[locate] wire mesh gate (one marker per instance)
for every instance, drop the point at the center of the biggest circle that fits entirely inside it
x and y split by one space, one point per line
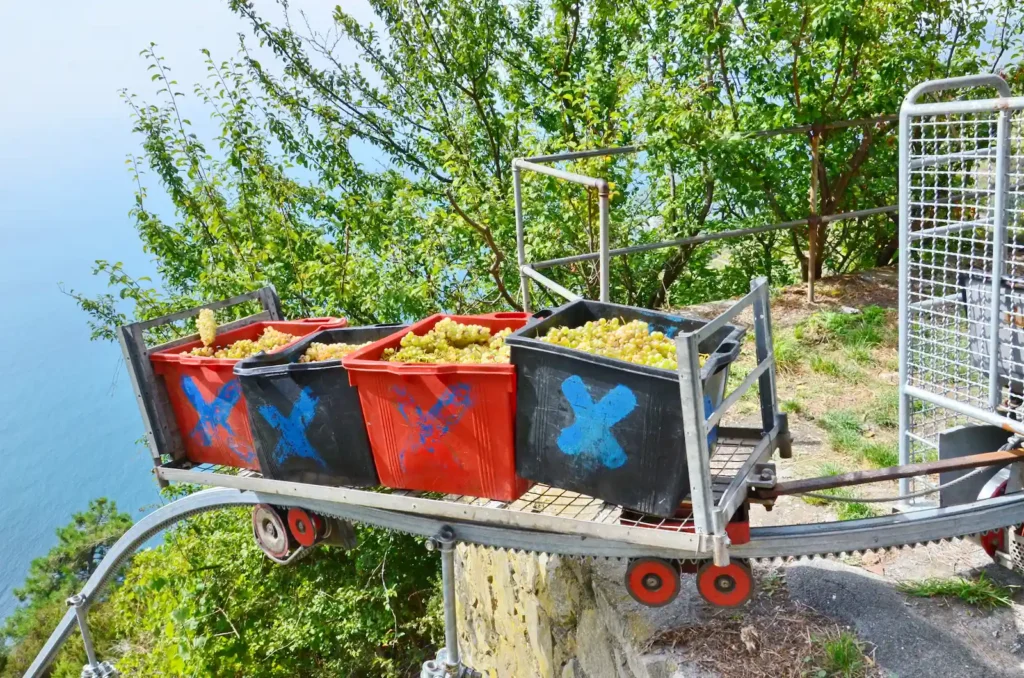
961 265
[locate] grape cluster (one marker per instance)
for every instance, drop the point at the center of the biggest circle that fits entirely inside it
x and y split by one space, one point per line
206 323
452 342
269 341
317 351
631 341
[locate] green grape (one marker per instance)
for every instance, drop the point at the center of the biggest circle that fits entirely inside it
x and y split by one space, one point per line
317 351
613 338
206 323
452 342
268 342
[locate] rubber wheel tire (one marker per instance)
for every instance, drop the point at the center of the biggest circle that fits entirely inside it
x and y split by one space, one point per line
270 531
653 582
994 540
729 586
305 528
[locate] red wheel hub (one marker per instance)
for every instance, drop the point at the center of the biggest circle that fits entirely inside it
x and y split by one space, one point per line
995 540
652 581
306 528
728 586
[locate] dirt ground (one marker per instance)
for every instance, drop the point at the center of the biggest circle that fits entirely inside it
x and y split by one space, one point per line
808 600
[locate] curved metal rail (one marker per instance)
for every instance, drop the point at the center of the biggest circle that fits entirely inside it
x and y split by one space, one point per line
767 542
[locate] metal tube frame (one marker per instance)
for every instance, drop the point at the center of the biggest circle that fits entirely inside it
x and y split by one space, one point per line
162 436
79 604
529 270
998 248
547 282
710 517
910 109
446 541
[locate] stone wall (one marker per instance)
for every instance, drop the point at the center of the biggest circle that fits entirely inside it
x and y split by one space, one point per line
524 615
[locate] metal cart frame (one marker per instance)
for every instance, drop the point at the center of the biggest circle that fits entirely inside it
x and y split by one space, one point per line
162 435
961 172
718 481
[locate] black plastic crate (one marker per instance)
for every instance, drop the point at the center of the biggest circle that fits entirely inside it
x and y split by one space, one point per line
605 427
306 420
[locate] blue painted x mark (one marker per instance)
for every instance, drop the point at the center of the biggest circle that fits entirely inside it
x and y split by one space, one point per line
590 436
293 441
430 426
214 415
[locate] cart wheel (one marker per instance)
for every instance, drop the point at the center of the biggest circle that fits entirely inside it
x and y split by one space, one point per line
653 582
728 586
306 528
994 540
270 531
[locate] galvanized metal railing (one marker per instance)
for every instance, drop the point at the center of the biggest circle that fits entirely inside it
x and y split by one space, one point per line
531 270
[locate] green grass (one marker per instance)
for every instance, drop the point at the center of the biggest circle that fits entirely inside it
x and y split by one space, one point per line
881 454
825 364
793 406
885 410
788 352
842 656
830 469
826 469
981 592
860 353
854 510
845 510
844 431
846 434
866 329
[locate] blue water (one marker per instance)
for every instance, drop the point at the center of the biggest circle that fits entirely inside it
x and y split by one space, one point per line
68 418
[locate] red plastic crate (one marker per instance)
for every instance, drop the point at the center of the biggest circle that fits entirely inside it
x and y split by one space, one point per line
207 398
441 427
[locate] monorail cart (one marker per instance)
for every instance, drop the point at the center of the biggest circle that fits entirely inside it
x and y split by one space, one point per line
961 375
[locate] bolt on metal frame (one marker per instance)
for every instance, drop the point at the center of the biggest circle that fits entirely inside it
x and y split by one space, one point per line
961 272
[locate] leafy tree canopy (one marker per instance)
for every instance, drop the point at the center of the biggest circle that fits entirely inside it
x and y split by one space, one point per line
207 602
81 545
447 92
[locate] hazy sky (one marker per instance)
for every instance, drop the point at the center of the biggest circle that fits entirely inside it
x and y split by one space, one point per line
65 132
62 64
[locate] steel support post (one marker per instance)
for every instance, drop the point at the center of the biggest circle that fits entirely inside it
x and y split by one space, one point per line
764 349
524 282
998 247
812 219
448 663
77 602
905 291
446 541
695 436
604 201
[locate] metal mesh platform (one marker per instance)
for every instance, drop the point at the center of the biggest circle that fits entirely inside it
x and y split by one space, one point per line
734 454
